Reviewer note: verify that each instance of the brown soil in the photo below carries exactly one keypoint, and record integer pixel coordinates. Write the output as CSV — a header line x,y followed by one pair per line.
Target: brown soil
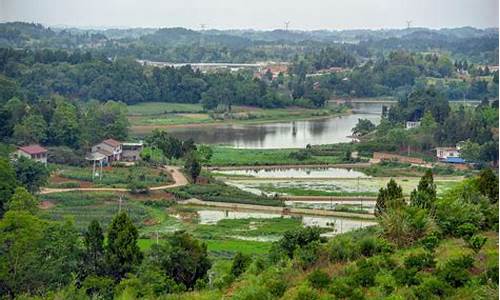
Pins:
x,y
46,204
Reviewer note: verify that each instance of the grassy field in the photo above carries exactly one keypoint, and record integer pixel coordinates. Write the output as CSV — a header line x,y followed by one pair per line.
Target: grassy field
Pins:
x,y
225,156
69,176
153,114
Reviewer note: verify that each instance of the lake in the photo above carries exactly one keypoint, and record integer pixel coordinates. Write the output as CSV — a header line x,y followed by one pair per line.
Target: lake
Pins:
x,y
293,134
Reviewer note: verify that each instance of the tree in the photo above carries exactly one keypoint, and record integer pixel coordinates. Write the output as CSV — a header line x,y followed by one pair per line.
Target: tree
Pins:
x,y
240,263
31,173
23,200
363,127
122,252
8,183
390,197
470,151
487,183
64,127
93,256
425,194
193,167
31,130
204,153
183,258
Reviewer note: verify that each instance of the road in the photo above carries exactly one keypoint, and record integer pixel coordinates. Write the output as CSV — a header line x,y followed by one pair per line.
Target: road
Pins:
x,y
177,176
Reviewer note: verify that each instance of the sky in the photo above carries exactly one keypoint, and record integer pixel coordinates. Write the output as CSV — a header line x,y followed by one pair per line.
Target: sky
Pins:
x,y
253,14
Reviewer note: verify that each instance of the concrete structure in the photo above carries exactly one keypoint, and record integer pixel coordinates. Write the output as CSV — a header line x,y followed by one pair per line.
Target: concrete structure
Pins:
x,y
411,124
443,153
110,148
131,151
35,152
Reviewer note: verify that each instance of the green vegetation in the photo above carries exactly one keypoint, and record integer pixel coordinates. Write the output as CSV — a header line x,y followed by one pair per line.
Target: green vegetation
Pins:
x,y
158,108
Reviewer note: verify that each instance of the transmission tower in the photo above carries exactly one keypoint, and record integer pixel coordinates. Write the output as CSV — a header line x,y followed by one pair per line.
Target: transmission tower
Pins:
x,y
408,24
203,26
287,24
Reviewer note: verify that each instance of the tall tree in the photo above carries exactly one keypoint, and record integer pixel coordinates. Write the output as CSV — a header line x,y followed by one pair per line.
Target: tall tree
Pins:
x,y
8,183
122,252
389,197
93,241
64,128
425,194
193,167
30,173
487,183
23,200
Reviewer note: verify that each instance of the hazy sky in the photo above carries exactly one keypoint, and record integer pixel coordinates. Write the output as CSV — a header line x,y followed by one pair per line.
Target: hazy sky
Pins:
x,y
258,14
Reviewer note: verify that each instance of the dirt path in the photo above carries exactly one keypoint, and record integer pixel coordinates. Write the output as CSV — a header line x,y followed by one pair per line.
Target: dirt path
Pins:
x,y
177,176
277,209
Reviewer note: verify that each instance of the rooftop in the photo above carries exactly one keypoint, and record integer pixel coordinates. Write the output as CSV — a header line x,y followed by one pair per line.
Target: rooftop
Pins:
x,y
33,149
112,142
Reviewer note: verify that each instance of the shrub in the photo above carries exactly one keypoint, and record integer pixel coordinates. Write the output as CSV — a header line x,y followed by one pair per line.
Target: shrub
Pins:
x,y
294,239
420,261
342,248
431,287
307,255
370,246
300,155
98,287
346,288
476,242
305,292
430,242
406,225
365,273
455,271
405,276
386,282
467,230
240,263
318,279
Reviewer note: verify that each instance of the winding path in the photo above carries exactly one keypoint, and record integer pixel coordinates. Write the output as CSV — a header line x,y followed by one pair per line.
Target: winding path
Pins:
x,y
177,176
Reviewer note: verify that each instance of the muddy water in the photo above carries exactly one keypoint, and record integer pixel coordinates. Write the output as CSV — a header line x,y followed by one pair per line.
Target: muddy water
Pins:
x,y
293,134
297,173
338,225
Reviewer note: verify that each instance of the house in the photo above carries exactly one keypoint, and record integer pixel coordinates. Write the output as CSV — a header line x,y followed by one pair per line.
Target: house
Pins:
x,y
110,148
411,124
131,151
35,152
444,153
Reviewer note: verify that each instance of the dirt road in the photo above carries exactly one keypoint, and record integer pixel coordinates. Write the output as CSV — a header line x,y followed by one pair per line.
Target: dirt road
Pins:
x,y
177,176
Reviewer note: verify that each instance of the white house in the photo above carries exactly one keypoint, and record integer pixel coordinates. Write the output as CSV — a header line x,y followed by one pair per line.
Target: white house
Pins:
x,y
411,124
443,153
110,148
34,152
131,151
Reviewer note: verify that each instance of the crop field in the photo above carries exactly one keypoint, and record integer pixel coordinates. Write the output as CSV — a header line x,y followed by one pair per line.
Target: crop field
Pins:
x,y
69,176
158,108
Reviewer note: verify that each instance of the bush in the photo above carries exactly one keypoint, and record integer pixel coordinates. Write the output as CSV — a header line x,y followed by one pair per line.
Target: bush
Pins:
x,y
305,292
430,242
99,287
294,239
300,155
346,288
318,279
342,248
405,276
386,282
307,255
476,242
370,246
431,287
240,264
455,271
467,230
365,273
420,261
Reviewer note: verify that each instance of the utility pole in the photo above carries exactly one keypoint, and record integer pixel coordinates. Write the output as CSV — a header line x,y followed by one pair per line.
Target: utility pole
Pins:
x,y
287,24
120,204
408,24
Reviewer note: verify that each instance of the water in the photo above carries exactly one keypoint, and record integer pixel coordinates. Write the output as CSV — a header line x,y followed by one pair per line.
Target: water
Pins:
x,y
293,134
309,172
340,225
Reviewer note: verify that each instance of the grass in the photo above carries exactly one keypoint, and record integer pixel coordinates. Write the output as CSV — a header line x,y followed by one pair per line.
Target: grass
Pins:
x,y
395,169
225,156
69,176
168,114
85,207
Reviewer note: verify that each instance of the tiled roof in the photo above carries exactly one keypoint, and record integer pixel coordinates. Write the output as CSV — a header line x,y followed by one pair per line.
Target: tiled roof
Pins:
x,y
33,149
105,152
112,142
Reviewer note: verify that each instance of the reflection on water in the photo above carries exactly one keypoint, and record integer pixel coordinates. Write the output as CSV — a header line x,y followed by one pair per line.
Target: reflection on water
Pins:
x,y
362,205
308,172
338,225
295,134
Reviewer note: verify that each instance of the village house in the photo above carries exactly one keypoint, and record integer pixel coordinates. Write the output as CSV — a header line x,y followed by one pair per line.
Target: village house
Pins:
x,y
132,151
34,152
110,148
449,154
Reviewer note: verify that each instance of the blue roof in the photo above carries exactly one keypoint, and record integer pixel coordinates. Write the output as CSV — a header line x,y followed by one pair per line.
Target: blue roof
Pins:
x,y
455,160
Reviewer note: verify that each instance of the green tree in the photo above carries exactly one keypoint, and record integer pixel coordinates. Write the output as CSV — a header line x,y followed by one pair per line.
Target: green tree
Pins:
x,y
183,258
204,153
389,197
425,194
193,167
31,130
23,200
487,183
64,126
470,151
122,252
8,183
240,264
363,127
31,173
93,256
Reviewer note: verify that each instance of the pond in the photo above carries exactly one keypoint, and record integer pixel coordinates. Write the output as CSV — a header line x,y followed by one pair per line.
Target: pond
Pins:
x,y
308,172
338,225
293,134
